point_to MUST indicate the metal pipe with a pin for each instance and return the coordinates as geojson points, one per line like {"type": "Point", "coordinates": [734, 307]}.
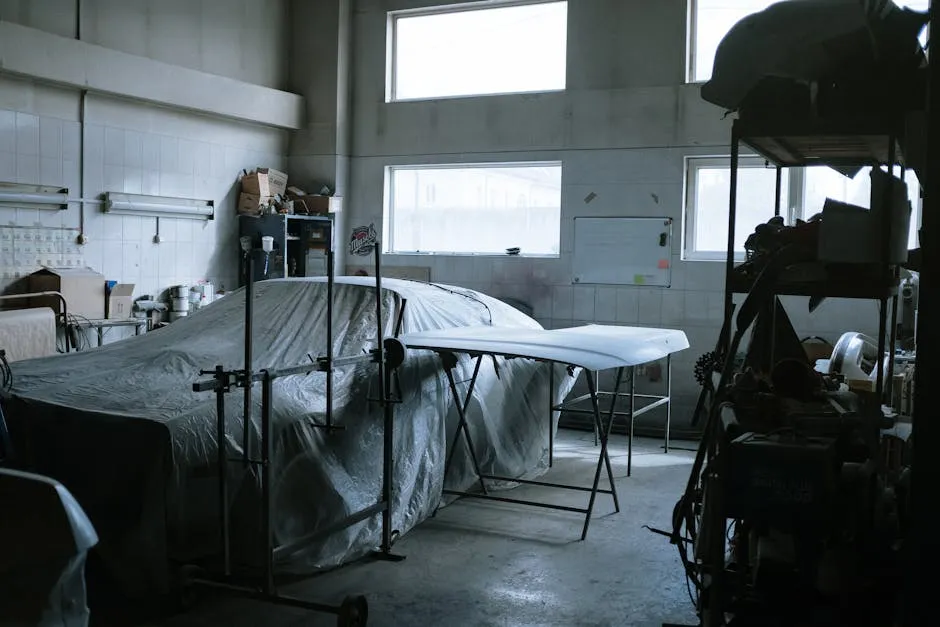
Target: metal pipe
{"type": "Point", "coordinates": [778, 192]}
{"type": "Point", "coordinates": [545, 484]}
{"type": "Point", "coordinates": [276, 599]}
{"type": "Point", "coordinates": [287, 550]}
{"type": "Point", "coordinates": [330, 278]}
{"type": "Point", "coordinates": [267, 398]}
{"type": "Point", "coordinates": [551, 414]}
{"type": "Point", "coordinates": [887, 210]}
{"type": "Point", "coordinates": [462, 416]}
{"type": "Point", "coordinates": [592, 388]}
{"type": "Point", "coordinates": [632, 417]}
{"type": "Point", "coordinates": [503, 499]}
{"type": "Point", "coordinates": [892, 341]}
{"type": "Point", "coordinates": [222, 465]}
{"type": "Point", "coordinates": [668, 399]}
{"type": "Point", "coordinates": [387, 436]}
{"type": "Point", "coordinates": [606, 435]}
{"type": "Point", "coordinates": [732, 216]}
{"type": "Point", "coordinates": [249, 306]}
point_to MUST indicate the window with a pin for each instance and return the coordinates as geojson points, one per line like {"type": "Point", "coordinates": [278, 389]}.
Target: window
{"type": "Point", "coordinates": [803, 191]}
{"type": "Point", "coordinates": [477, 49]}
{"type": "Point", "coordinates": [477, 209]}
{"type": "Point", "coordinates": [709, 186]}
{"type": "Point", "coordinates": [710, 21]}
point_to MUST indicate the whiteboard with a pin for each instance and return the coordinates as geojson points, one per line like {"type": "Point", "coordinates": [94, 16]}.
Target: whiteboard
{"type": "Point", "coordinates": [623, 251]}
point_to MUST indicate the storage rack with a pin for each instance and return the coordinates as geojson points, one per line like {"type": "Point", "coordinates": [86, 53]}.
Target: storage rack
{"type": "Point", "coordinates": [848, 143]}
{"type": "Point", "coordinates": [869, 142]}
{"type": "Point", "coordinates": [388, 355]}
{"type": "Point", "coordinates": [295, 236]}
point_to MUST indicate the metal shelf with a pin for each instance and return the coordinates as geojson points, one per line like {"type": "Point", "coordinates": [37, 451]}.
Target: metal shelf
{"type": "Point", "coordinates": [861, 287]}
{"type": "Point", "coordinates": [798, 143]}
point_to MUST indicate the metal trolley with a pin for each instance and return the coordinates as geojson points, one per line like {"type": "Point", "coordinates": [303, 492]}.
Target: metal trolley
{"type": "Point", "coordinates": [388, 355]}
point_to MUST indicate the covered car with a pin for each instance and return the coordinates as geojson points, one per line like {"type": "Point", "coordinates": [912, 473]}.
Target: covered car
{"type": "Point", "coordinates": [122, 429]}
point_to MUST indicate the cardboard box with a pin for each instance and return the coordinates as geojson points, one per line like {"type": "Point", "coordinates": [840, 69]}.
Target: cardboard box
{"type": "Point", "coordinates": [252, 204]}
{"type": "Point", "coordinates": [83, 289]}
{"type": "Point", "coordinates": [852, 234]}
{"type": "Point", "coordinates": [317, 205]}
{"type": "Point", "coordinates": [265, 182]}
{"type": "Point", "coordinates": [121, 301]}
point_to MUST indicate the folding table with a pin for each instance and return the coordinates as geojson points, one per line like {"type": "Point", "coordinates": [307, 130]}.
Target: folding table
{"type": "Point", "coordinates": [593, 348]}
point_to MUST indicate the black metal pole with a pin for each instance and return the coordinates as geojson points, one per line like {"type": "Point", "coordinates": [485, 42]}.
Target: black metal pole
{"type": "Point", "coordinates": [330, 279]}
{"type": "Point", "coordinates": [551, 414]}
{"type": "Point", "coordinates": [669, 401]}
{"type": "Point", "coordinates": [778, 192]}
{"type": "Point", "coordinates": [267, 397]}
{"type": "Point", "coordinates": [732, 217]}
{"type": "Point", "coordinates": [384, 382]}
{"type": "Point", "coordinates": [249, 313]}
{"type": "Point", "coordinates": [924, 544]}
{"type": "Point", "coordinates": [887, 209]}
{"type": "Point", "coordinates": [632, 410]}
{"type": "Point", "coordinates": [222, 463]}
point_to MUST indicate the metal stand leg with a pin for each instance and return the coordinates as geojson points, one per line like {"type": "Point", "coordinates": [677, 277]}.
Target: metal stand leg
{"type": "Point", "coordinates": [249, 341]}
{"type": "Point", "coordinates": [551, 414]}
{"type": "Point", "coordinates": [668, 400]}
{"type": "Point", "coordinates": [597, 380]}
{"type": "Point", "coordinates": [632, 417]}
{"type": "Point", "coordinates": [602, 459]}
{"type": "Point", "coordinates": [222, 463]}
{"type": "Point", "coordinates": [267, 397]}
{"type": "Point", "coordinates": [462, 406]}
{"type": "Point", "coordinates": [610, 424]}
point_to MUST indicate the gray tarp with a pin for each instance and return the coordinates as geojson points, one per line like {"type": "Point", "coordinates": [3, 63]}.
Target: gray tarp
{"type": "Point", "coordinates": [122, 429]}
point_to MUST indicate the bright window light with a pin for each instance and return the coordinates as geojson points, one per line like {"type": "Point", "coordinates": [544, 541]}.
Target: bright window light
{"type": "Point", "coordinates": [474, 209]}
{"type": "Point", "coordinates": [821, 183]}
{"type": "Point", "coordinates": [477, 49]}
{"type": "Point", "coordinates": [804, 192]}
{"type": "Point", "coordinates": [712, 19]}
{"type": "Point", "coordinates": [708, 190]}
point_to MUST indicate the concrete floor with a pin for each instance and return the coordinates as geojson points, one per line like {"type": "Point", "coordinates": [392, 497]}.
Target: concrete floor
{"type": "Point", "coordinates": [482, 563]}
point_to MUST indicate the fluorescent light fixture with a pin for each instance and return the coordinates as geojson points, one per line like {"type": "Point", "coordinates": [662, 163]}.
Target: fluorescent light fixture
{"type": "Point", "coordinates": [21, 196]}
{"type": "Point", "coordinates": [158, 206]}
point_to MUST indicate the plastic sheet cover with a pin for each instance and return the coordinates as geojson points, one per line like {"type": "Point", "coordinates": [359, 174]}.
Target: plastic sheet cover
{"type": "Point", "coordinates": [121, 427]}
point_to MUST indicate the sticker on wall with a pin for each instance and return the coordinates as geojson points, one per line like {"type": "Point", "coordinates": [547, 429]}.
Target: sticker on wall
{"type": "Point", "coordinates": [363, 240]}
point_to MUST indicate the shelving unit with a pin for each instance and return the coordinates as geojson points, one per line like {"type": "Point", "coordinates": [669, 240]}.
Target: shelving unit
{"type": "Point", "coordinates": [707, 505]}
{"type": "Point", "coordinates": [300, 244]}
{"type": "Point", "coordinates": [848, 143]}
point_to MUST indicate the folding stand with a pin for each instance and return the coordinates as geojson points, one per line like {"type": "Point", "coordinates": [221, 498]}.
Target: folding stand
{"type": "Point", "coordinates": [462, 402]}
{"type": "Point", "coordinates": [388, 355]}
{"type": "Point", "coordinates": [631, 415]}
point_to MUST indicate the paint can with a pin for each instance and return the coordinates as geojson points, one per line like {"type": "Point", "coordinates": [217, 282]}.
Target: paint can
{"type": "Point", "coordinates": [179, 291]}
{"type": "Point", "coordinates": [180, 304]}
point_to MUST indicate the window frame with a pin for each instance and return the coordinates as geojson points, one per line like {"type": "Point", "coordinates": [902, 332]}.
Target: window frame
{"type": "Point", "coordinates": [692, 164]}
{"type": "Point", "coordinates": [388, 213]}
{"type": "Point", "coordinates": [792, 202]}
{"type": "Point", "coordinates": [391, 38]}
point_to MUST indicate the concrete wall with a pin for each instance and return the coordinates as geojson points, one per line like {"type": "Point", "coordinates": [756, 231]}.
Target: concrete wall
{"type": "Point", "coordinates": [132, 147]}
{"type": "Point", "coordinates": [240, 39]}
{"type": "Point", "coordinates": [621, 129]}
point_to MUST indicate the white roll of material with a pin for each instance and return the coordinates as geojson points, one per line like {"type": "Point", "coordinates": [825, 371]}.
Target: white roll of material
{"type": "Point", "coordinates": [27, 333]}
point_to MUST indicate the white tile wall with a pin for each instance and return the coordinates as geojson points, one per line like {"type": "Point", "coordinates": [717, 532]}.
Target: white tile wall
{"type": "Point", "coordinates": [165, 154]}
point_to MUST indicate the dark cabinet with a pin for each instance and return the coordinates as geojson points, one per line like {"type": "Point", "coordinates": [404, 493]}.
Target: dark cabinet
{"type": "Point", "coordinates": [300, 245]}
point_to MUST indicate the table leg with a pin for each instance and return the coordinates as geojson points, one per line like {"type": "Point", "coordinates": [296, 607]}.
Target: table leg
{"type": "Point", "coordinates": [668, 402]}
{"type": "Point", "coordinates": [100, 336]}
{"type": "Point", "coordinates": [551, 414]}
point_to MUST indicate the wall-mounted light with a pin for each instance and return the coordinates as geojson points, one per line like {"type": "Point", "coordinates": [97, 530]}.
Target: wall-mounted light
{"type": "Point", "coordinates": [158, 206]}
{"type": "Point", "coordinates": [20, 196]}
